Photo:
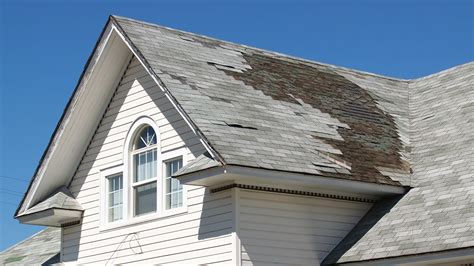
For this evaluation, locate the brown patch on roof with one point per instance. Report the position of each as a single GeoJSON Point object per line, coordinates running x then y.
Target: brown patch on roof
{"type": "Point", "coordinates": [371, 141]}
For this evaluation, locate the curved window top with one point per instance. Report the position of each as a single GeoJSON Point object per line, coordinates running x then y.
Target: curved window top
{"type": "Point", "coordinates": [145, 138]}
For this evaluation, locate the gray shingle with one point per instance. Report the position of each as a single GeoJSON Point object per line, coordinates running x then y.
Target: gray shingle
{"type": "Point", "coordinates": [41, 248]}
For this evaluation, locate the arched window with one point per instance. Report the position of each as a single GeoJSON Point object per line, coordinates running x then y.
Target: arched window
{"type": "Point", "coordinates": [144, 164]}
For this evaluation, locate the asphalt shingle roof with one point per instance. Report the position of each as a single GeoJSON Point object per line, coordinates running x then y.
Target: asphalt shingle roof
{"type": "Point", "coordinates": [260, 109]}
{"type": "Point", "coordinates": [267, 110]}
{"type": "Point", "coordinates": [41, 248]}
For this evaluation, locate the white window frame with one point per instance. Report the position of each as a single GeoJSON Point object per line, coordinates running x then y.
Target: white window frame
{"type": "Point", "coordinates": [166, 157]}
{"type": "Point", "coordinates": [128, 167]}
{"type": "Point", "coordinates": [128, 184]}
{"type": "Point", "coordinates": [131, 176]}
{"type": "Point", "coordinates": [104, 191]}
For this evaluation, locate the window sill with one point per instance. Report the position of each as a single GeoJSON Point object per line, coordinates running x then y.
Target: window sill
{"type": "Point", "coordinates": [143, 219]}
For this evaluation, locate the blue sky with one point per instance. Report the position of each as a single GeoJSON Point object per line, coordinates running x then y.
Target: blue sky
{"type": "Point", "coordinates": [45, 44]}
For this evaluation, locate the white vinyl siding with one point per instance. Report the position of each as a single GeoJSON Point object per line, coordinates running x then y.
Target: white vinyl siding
{"type": "Point", "coordinates": [292, 230]}
{"type": "Point", "coordinates": [200, 235]}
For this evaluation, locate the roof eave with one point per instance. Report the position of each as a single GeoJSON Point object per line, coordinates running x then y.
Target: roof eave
{"type": "Point", "coordinates": [242, 174]}
{"type": "Point", "coordinates": [55, 217]}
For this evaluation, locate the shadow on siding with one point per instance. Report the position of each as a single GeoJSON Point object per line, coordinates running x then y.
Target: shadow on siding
{"type": "Point", "coordinates": [217, 215]}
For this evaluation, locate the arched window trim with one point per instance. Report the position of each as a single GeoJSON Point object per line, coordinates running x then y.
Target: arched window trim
{"type": "Point", "coordinates": [128, 165]}
{"type": "Point", "coordinates": [163, 157]}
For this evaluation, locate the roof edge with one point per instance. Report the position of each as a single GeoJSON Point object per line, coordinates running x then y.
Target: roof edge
{"type": "Point", "coordinates": [445, 71]}
{"type": "Point", "coordinates": [406, 256]}
{"type": "Point", "coordinates": [22, 241]}
{"type": "Point", "coordinates": [63, 115]}
{"type": "Point", "coordinates": [274, 53]}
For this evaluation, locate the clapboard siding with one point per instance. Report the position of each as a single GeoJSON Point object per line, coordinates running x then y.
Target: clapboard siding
{"type": "Point", "coordinates": [202, 235]}
{"type": "Point", "coordinates": [297, 230]}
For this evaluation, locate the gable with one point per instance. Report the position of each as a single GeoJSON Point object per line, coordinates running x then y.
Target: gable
{"type": "Point", "coordinates": [137, 95]}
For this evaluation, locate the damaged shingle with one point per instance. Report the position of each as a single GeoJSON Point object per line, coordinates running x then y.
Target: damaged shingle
{"type": "Point", "coordinates": [372, 138]}
{"type": "Point", "coordinates": [219, 99]}
{"type": "Point", "coordinates": [241, 126]}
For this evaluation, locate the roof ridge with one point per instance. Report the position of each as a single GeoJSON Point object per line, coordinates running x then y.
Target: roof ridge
{"type": "Point", "coordinates": [451, 69]}
{"type": "Point", "coordinates": [265, 51]}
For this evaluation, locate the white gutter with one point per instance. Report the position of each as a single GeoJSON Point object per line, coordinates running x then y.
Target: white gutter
{"type": "Point", "coordinates": [241, 174]}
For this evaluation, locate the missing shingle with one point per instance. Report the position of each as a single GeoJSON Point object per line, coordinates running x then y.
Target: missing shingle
{"type": "Point", "coordinates": [187, 38]}
{"type": "Point", "coordinates": [223, 123]}
{"type": "Point", "coordinates": [241, 126]}
{"type": "Point", "coordinates": [183, 80]}
{"type": "Point", "coordinates": [299, 113]}
{"type": "Point", "coordinates": [221, 66]}
{"type": "Point", "coordinates": [220, 99]}
{"type": "Point", "coordinates": [427, 117]}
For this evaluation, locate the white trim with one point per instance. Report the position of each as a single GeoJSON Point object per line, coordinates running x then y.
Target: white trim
{"type": "Point", "coordinates": [248, 175]}
{"type": "Point", "coordinates": [105, 52]}
{"type": "Point", "coordinates": [166, 157]}
{"type": "Point", "coordinates": [127, 159]}
{"type": "Point", "coordinates": [83, 83]}
{"type": "Point", "coordinates": [235, 235]}
{"type": "Point", "coordinates": [104, 173]}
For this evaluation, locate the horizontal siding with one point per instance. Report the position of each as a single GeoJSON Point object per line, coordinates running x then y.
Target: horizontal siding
{"type": "Point", "coordinates": [296, 230]}
{"type": "Point", "coordinates": [202, 235]}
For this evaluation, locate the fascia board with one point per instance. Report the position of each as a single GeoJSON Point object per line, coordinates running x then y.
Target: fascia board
{"type": "Point", "coordinates": [89, 68]}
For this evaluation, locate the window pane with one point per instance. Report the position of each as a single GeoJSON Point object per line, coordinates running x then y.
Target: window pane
{"type": "Point", "coordinates": [145, 138]}
{"type": "Point", "coordinates": [174, 194]}
{"type": "Point", "coordinates": [115, 197]}
{"type": "Point", "coordinates": [145, 198]}
{"type": "Point", "coordinates": [144, 165]}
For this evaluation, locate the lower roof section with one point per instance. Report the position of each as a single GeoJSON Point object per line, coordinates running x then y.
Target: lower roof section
{"type": "Point", "coordinates": [41, 248]}
{"type": "Point", "coordinates": [462, 256]}
{"type": "Point", "coordinates": [57, 210]}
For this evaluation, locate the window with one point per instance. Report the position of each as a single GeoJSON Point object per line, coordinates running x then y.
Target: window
{"type": "Point", "coordinates": [143, 187]}
{"type": "Point", "coordinates": [174, 190]}
{"type": "Point", "coordinates": [115, 197]}
{"type": "Point", "coordinates": [145, 177]}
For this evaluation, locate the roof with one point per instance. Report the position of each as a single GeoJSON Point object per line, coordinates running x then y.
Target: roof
{"type": "Point", "coordinates": [264, 110]}
{"type": "Point", "coordinates": [61, 199]}
{"type": "Point", "coordinates": [202, 162]}
{"type": "Point", "coordinates": [40, 248]}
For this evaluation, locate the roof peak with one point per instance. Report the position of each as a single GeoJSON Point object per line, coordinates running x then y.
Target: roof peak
{"type": "Point", "coordinates": [264, 51]}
